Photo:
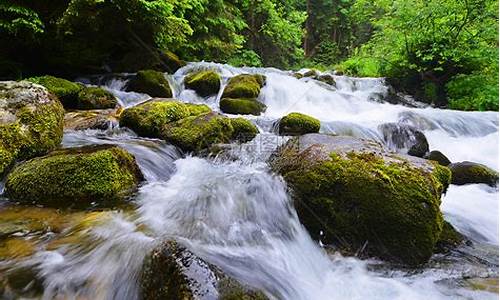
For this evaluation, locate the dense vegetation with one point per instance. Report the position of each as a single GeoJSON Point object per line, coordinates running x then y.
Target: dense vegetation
{"type": "Point", "coordinates": [444, 52]}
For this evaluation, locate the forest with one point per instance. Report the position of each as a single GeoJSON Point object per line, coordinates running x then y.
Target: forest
{"type": "Point", "coordinates": [444, 52]}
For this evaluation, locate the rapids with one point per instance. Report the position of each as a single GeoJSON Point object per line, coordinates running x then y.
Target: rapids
{"type": "Point", "coordinates": [237, 214]}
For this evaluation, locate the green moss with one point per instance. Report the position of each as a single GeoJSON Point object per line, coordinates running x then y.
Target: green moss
{"type": "Point", "coordinates": [148, 118]}
{"type": "Point", "coordinates": [448, 239]}
{"type": "Point", "coordinates": [198, 132]}
{"type": "Point", "coordinates": [244, 86]}
{"type": "Point", "coordinates": [197, 109]}
{"type": "Point", "coordinates": [468, 172]}
{"type": "Point", "coordinates": [298, 124]}
{"type": "Point", "coordinates": [391, 210]}
{"type": "Point", "coordinates": [74, 177]}
{"type": "Point", "coordinates": [242, 106]}
{"type": "Point", "coordinates": [95, 98]}
{"type": "Point", "coordinates": [11, 141]}
{"type": "Point", "coordinates": [442, 177]}
{"type": "Point", "coordinates": [65, 90]}
{"type": "Point", "coordinates": [244, 130]}
{"type": "Point", "coordinates": [205, 83]}
{"type": "Point", "coordinates": [150, 82]}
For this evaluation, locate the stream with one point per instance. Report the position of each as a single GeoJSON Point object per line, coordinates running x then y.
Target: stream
{"type": "Point", "coordinates": [237, 215]}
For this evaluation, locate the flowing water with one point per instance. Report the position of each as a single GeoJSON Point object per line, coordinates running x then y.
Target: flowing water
{"type": "Point", "coordinates": [238, 216]}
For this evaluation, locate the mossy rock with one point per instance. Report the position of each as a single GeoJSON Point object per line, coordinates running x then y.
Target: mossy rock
{"type": "Point", "coordinates": [75, 177]}
{"type": "Point", "coordinates": [148, 118]}
{"type": "Point", "coordinates": [205, 83]}
{"type": "Point", "coordinates": [298, 124]}
{"type": "Point", "coordinates": [244, 130]}
{"type": "Point", "coordinates": [171, 271]}
{"type": "Point", "coordinates": [31, 122]}
{"type": "Point", "coordinates": [241, 106]}
{"type": "Point", "coordinates": [311, 74]}
{"type": "Point", "coordinates": [65, 90]}
{"type": "Point", "coordinates": [198, 133]}
{"type": "Point", "coordinates": [95, 98]}
{"type": "Point", "coordinates": [449, 238]}
{"type": "Point", "coordinates": [150, 82]}
{"type": "Point", "coordinates": [467, 172]}
{"type": "Point", "coordinates": [328, 79]}
{"type": "Point", "coordinates": [439, 157]}
{"type": "Point", "coordinates": [364, 197]}
{"type": "Point", "coordinates": [244, 86]}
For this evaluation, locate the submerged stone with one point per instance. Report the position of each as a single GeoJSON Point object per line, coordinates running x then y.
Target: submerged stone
{"type": "Point", "coordinates": [89, 119]}
{"type": "Point", "coordinates": [31, 122]}
{"type": "Point", "coordinates": [469, 172]}
{"type": "Point", "coordinates": [75, 177]}
{"type": "Point", "coordinates": [150, 82]}
{"type": "Point", "coordinates": [363, 197]}
{"type": "Point", "coordinates": [298, 124]}
{"type": "Point", "coordinates": [205, 83]}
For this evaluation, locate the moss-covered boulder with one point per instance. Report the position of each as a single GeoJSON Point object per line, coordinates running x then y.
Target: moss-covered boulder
{"type": "Point", "coordinates": [244, 86]}
{"type": "Point", "coordinates": [205, 83]}
{"type": "Point", "coordinates": [89, 119]}
{"type": "Point", "coordinates": [150, 82]}
{"type": "Point", "coordinates": [197, 133]}
{"type": "Point", "coordinates": [298, 124]}
{"type": "Point", "coordinates": [243, 130]}
{"type": "Point", "coordinates": [449, 239]}
{"type": "Point", "coordinates": [439, 157]}
{"type": "Point", "coordinates": [148, 118]}
{"type": "Point", "coordinates": [75, 177]}
{"type": "Point", "coordinates": [241, 106]}
{"type": "Point", "coordinates": [31, 121]}
{"type": "Point", "coordinates": [328, 79]}
{"type": "Point", "coordinates": [404, 138]}
{"type": "Point", "coordinates": [469, 172]}
{"type": "Point", "coordinates": [312, 73]}
{"type": "Point", "coordinates": [95, 98]}
{"type": "Point", "coordinates": [363, 197]}
{"type": "Point", "coordinates": [171, 271]}
{"type": "Point", "coordinates": [65, 90]}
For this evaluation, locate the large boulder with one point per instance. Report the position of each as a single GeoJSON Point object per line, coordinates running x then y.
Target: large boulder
{"type": "Point", "coordinates": [205, 83]}
{"type": "Point", "coordinates": [31, 121]}
{"type": "Point", "coordinates": [298, 124]}
{"type": "Point", "coordinates": [363, 197]}
{"type": "Point", "coordinates": [150, 82]}
{"type": "Point", "coordinates": [404, 138]}
{"type": "Point", "coordinates": [240, 95]}
{"type": "Point", "coordinates": [243, 129]}
{"type": "Point", "coordinates": [469, 172]}
{"type": "Point", "coordinates": [65, 90]}
{"type": "Point", "coordinates": [171, 271]}
{"type": "Point", "coordinates": [75, 177]}
{"type": "Point", "coordinates": [148, 118]}
{"type": "Point", "coordinates": [198, 133]}
{"type": "Point", "coordinates": [95, 98]}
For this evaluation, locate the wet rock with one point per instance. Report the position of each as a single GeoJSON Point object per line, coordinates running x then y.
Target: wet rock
{"type": "Point", "coordinates": [89, 119]}
{"type": "Point", "coordinates": [173, 272]}
{"type": "Point", "coordinates": [25, 220]}
{"type": "Point", "coordinates": [328, 79]}
{"type": "Point", "coordinates": [205, 83]}
{"type": "Point", "coordinates": [298, 124]}
{"type": "Point", "coordinates": [65, 90]}
{"type": "Point", "coordinates": [243, 130]}
{"type": "Point", "coordinates": [197, 133]}
{"type": "Point", "coordinates": [95, 98]}
{"type": "Point", "coordinates": [439, 157]}
{"type": "Point", "coordinates": [148, 118]}
{"type": "Point", "coordinates": [150, 82]}
{"type": "Point", "coordinates": [76, 177]}
{"type": "Point", "coordinates": [297, 75]}
{"type": "Point", "coordinates": [31, 122]}
{"type": "Point", "coordinates": [311, 73]}
{"type": "Point", "coordinates": [469, 172]}
{"type": "Point", "coordinates": [404, 138]}
{"type": "Point", "coordinates": [242, 106]}
{"type": "Point", "coordinates": [364, 198]}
